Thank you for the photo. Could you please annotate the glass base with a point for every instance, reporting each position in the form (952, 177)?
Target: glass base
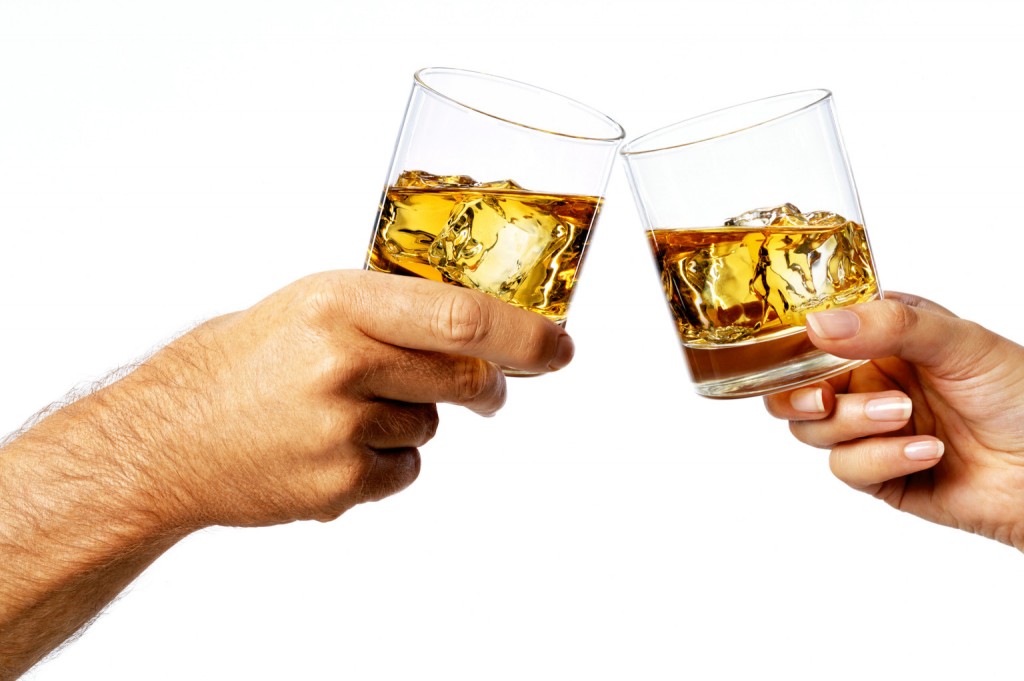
(518, 373)
(776, 381)
(760, 368)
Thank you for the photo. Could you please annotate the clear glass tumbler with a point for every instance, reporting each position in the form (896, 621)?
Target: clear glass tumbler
(754, 221)
(494, 185)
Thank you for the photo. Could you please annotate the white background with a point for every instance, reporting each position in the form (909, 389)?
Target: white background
(162, 162)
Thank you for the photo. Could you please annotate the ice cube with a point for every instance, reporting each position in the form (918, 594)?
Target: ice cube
(786, 215)
(492, 242)
(420, 179)
(824, 218)
(715, 286)
(815, 267)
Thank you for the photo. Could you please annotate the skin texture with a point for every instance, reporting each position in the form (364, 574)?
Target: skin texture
(310, 402)
(933, 424)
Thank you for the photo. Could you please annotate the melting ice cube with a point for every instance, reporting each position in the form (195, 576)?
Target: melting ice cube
(785, 215)
(814, 260)
(492, 242)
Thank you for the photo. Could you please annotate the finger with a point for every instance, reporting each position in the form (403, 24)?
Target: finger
(396, 425)
(917, 301)
(923, 334)
(391, 471)
(425, 315)
(806, 403)
(366, 475)
(429, 377)
(868, 464)
(856, 416)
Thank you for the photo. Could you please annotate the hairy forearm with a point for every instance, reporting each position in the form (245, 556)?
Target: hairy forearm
(79, 520)
(74, 597)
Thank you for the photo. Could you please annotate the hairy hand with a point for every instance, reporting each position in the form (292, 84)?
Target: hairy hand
(933, 424)
(317, 398)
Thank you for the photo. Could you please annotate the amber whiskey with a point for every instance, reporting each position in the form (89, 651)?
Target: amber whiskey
(740, 292)
(521, 246)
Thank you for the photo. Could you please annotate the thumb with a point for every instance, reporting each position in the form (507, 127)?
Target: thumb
(911, 328)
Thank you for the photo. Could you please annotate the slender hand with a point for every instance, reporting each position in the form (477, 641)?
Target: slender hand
(306, 404)
(933, 424)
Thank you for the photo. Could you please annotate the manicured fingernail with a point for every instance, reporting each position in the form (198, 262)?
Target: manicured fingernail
(563, 353)
(924, 450)
(834, 324)
(808, 400)
(889, 409)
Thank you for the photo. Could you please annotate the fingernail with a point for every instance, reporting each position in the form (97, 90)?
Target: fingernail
(924, 450)
(889, 409)
(808, 400)
(834, 324)
(563, 353)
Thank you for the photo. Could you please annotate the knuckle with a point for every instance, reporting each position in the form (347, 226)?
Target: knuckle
(771, 405)
(808, 432)
(332, 490)
(472, 381)
(541, 342)
(341, 431)
(411, 425)
(431, 423)
(460, 319)
(330, 514)
(970, 347)
(977, 338)
(891, 492)
(343, 370)
(320, 300)
(359, 475)
(414, 426)
(901, 318)
(837, 462)
(322, 297)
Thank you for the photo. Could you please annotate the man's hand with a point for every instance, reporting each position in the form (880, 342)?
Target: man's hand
(306, 404)
(933, 424)
(317, 398)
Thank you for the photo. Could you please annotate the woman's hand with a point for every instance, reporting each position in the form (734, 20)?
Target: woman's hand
(932, 424)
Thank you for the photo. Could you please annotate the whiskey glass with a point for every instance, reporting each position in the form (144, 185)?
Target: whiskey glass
(494, 185)
(753, 219)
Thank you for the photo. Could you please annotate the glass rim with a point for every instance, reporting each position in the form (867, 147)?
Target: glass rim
(420, 79)
(630, 148)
